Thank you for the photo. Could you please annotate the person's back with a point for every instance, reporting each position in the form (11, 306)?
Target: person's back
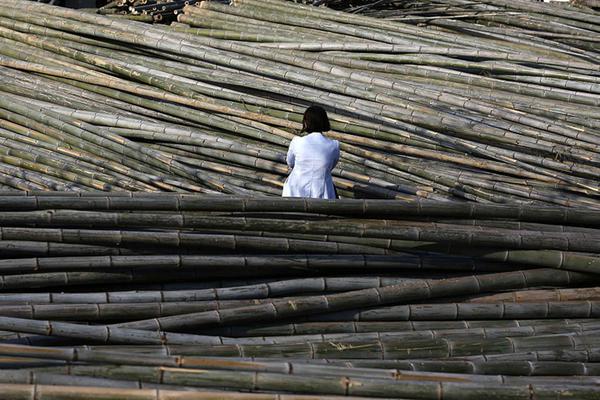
(311, 157)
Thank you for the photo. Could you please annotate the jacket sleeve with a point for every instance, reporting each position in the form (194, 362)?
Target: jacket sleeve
(291, 157)
(336, 155)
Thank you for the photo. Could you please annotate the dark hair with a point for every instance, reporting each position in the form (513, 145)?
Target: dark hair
(315, 120)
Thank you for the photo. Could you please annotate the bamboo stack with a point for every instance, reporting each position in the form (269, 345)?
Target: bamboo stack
(146, 253)
(162, 295)
(449, 109)
(162, 11)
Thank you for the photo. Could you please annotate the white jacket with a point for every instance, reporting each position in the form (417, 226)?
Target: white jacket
(311, 157)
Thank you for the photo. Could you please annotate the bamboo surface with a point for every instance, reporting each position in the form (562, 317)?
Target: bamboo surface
(496, 110)
(146, 253)
(221, 296)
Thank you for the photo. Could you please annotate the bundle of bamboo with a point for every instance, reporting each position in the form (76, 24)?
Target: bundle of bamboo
(451, 107)
(145, 10)
(454, 110)
(158, 295)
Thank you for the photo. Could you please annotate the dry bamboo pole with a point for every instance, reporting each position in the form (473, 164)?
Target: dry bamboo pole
(569, 356)
(101, 333)
(349, 386)
(417, 209)
(474, 364)
(312, 371)
(304, 328)
(581, 353)
(174, 110)
(16, 248)
(206, 263)
(470, 311)
(68, 330)
(118, 311)
(454, 234)
(391, 349)
(349, 300)
(58, 392)
(19, 376)
(122, 311)
(305, 367)
(578, 294)
(23, 376)
(133, 276)
(210, 293)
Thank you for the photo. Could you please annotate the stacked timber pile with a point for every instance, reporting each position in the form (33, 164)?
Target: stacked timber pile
(179, 296)
(454, 110)
(146, 10)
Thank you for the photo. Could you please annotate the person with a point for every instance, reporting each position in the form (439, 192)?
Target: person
(312, 157)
